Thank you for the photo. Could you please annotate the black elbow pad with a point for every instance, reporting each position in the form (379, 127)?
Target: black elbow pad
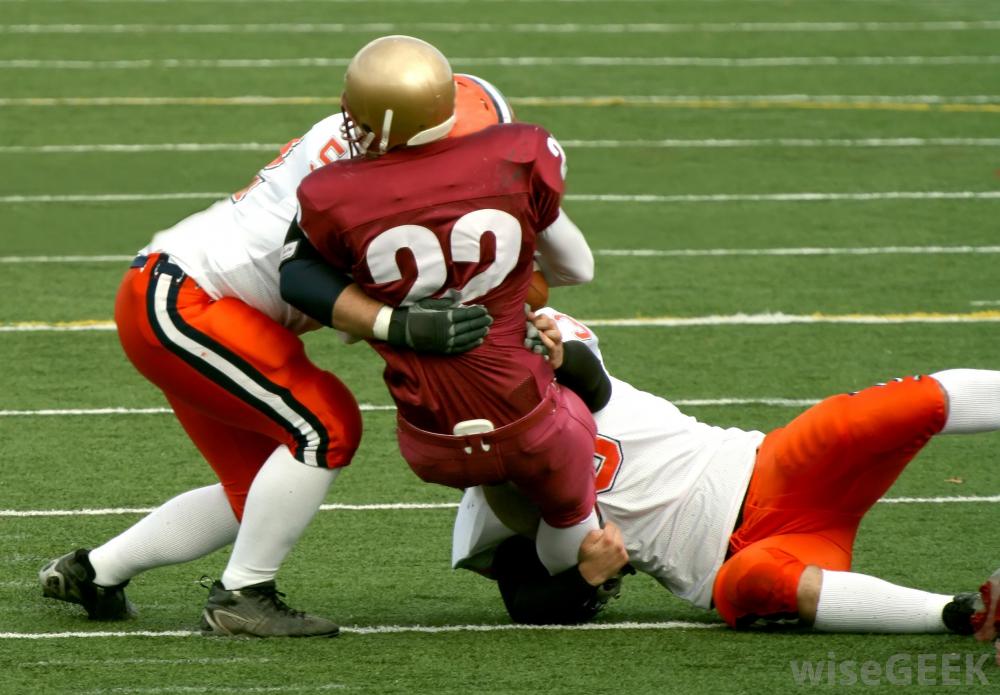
(582, 373)
(307, 281)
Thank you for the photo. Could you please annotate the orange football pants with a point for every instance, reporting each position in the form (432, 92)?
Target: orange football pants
(239, 383)
(812, 482)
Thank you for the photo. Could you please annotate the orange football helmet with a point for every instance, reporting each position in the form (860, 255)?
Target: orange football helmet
(478, 105)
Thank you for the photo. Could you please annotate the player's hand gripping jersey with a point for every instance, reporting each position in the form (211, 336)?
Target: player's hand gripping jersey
(233, 248)
(457, 218)
(671, 483)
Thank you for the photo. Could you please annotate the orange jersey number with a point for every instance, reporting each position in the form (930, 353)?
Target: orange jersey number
(607, 461)
(258, 179)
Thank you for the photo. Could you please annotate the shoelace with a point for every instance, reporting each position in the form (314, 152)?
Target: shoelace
(270, 594)
(275, 597)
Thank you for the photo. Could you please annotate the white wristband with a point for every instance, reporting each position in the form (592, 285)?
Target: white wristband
(380, 329)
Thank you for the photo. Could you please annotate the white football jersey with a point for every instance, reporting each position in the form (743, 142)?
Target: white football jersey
(233, 249)
(673, 485)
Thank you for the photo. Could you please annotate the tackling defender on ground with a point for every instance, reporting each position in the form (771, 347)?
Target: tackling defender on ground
(757, 526)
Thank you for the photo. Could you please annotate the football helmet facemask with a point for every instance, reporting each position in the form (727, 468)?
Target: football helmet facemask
(398, 90)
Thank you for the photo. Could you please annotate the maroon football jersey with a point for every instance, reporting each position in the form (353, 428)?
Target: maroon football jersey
(457, 218)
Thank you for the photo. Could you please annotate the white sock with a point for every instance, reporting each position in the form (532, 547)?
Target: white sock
(559, 548)
(850, 602)
(283, 499)
(973, 400)
(189, 526)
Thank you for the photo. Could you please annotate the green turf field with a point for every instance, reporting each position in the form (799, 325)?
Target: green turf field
(782, 160)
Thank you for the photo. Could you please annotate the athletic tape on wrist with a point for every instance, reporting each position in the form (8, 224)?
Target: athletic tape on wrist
(380, 329)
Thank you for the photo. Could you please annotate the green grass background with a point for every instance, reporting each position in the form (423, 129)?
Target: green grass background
(377, 568)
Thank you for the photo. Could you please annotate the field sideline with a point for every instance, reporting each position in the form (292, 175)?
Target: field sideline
(787, 199)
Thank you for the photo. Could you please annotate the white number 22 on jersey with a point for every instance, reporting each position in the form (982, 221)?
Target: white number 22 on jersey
(465, 240)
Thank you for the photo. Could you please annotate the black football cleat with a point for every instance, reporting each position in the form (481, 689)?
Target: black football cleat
(70, 578)
(258, 611)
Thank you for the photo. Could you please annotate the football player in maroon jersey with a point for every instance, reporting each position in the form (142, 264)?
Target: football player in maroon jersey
(416, 216)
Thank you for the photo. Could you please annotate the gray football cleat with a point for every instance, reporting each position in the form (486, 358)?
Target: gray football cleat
(70, 578)
(258, 611)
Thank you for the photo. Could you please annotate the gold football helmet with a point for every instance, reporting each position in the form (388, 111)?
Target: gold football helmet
(398, 90)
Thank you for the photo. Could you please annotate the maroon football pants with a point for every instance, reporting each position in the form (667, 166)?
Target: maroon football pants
(548, 455)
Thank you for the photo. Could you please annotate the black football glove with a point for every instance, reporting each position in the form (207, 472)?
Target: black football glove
(438, 325)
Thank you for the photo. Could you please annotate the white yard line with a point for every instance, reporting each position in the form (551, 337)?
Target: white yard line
(992, 499)
(795, 251)
(111, 197)
(391, 630)
(99, 258)
(781, 197)
(63, 635)
(197, 147)
(781, 319)
(57, 326)
(430, 506)
(118, 511)
(502, 28)
(740, 319)
(776, 142)
(371, 408)
(390, 2)
(65, 412)
(194, 661)
(432, 2)
(668, 143)
(511, 61)
(813, 101)
(68, 412)
(644, 253)
(440, 2)
(213, 689)
(599, 627)
(803, 197)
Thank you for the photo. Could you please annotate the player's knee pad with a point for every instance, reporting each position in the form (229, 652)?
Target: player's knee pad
(758, 582)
